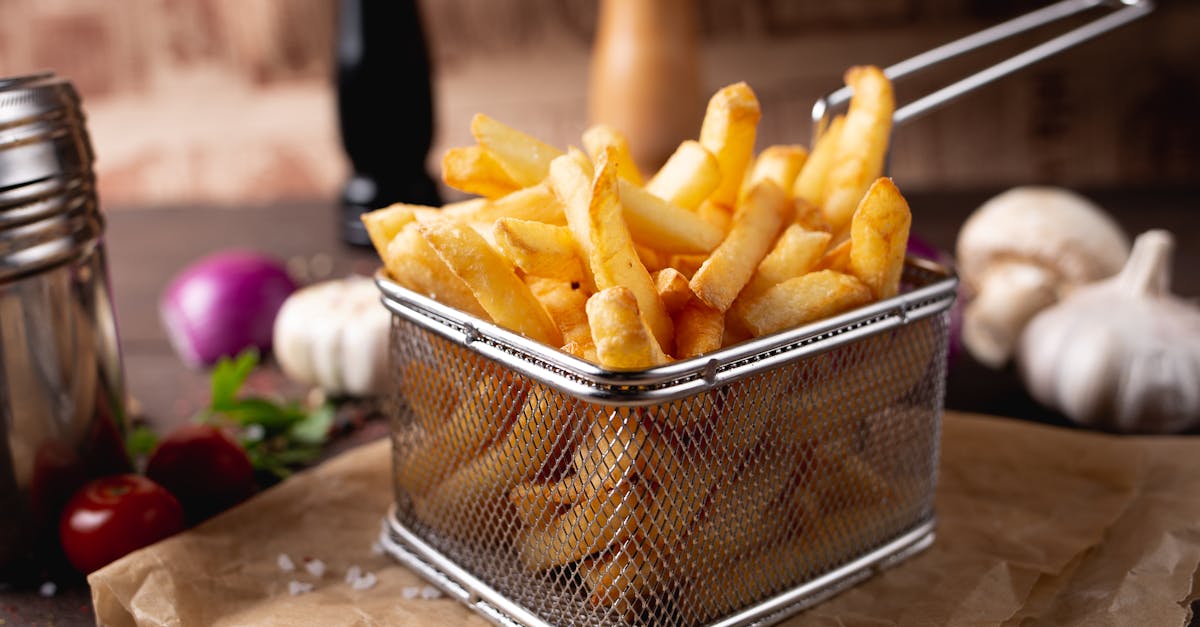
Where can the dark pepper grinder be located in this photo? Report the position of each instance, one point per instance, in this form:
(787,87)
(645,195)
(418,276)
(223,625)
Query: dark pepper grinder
(385,109)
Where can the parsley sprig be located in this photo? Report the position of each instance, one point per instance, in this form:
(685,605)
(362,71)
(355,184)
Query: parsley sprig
(278,437)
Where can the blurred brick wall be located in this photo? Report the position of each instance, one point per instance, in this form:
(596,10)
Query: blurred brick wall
(229,101)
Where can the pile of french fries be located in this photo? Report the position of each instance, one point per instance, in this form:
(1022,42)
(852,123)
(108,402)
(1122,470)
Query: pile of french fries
(577,250)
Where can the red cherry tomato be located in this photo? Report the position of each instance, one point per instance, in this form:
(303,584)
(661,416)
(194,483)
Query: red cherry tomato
(112,516)
(204,468)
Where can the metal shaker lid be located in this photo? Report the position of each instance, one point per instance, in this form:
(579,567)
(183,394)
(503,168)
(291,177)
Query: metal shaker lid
(42,132)
(48,212)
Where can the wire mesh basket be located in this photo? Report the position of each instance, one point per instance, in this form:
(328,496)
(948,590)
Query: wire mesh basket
(732,488)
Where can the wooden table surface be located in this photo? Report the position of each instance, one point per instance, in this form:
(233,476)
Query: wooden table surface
(147,247)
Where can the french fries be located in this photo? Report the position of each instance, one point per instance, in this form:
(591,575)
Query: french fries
(540,249)
(491,279)
(594,215)
(879,238)
(861,145)
(597,138)
(805,299)
(728,132)
(576,251)
(472,169)
(621,336)
(810,183)
(688,177)
(524,158)
(754,227)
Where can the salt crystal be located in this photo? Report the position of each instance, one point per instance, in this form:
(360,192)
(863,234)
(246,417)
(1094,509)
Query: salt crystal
(353,573)
(366,582)
(297,588)
(285,563)
(48,589)
(410,592)
(429,592)
(316,568)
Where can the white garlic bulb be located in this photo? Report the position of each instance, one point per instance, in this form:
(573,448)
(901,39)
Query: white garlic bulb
(1120,354)
(334,335)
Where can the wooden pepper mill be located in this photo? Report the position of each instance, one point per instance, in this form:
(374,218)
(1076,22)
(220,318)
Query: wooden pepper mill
(645,75)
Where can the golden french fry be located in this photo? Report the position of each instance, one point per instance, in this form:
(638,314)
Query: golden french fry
(472,169)
(524,158)
(728,132)
(672,288)
(492,280)
(412,263)
(688,177)
(810,183)
(535,203)
(755,225)
(589,527)
(862,146)
(687,265)
(879,237)
(836,258)
(537,503)
(780,164)
(480,417)
(809,216)
(622,577)
(622,337)
(698,329)
(742,514)
(540,249)
(596,138)
(804,299)
(462,210)
(655,222)
(383,224)
(566,303)
(796,252)
(424,388)
(652,259)
(594,216)
(537,437)
(716,215)
(610,452)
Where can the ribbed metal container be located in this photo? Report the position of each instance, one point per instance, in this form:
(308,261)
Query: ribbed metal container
(61,384)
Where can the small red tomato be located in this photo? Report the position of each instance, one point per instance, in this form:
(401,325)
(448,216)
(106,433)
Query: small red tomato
(206,469)
(112,516)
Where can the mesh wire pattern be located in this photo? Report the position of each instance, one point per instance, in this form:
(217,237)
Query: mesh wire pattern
(682,512)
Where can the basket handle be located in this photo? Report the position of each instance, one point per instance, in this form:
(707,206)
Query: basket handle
(1126,11)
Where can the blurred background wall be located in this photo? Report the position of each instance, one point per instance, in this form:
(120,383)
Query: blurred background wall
(231,101)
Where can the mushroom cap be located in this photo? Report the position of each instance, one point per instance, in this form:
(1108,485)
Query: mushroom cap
(1052,227)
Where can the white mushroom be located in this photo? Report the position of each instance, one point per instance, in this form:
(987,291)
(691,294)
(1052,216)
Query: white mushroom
(1020,252)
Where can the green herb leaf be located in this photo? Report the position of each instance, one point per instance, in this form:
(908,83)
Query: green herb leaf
(313,429)
(271,416)
(291,435)
(228,376)
(140,441)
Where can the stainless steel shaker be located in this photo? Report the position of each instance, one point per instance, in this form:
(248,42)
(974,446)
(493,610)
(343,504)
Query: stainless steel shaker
(61,385)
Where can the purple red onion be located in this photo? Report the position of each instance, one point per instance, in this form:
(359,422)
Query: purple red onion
(223,304)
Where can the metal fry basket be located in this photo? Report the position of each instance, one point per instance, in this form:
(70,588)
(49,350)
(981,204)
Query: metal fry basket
(732,488)
(735,488)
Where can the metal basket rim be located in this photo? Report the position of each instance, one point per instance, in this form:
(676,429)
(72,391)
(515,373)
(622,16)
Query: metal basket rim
(589,381)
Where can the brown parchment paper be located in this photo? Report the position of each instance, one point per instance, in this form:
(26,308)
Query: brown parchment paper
(1036,526)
